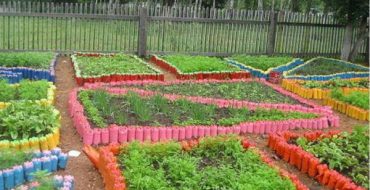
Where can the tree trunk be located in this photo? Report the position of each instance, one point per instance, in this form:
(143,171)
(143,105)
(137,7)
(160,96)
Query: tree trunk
(347,42)
(361,38)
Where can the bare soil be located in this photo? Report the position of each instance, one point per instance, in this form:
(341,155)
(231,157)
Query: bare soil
(88,178)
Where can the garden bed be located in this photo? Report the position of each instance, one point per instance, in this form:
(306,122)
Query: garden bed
(321,90)
(354,104)
(18,167)
(187,67)
(323,69)
(262,66)
(103,119)
(93,67)
(15,66)
(334,159)
(29,126)
(41,92)
(208,163)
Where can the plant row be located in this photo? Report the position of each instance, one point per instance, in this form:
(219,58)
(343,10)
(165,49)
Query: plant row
(198,67)
(15,66)
(89,114)
(44,181)
(324,69)
(334,159)
(91,68)
(18,167)
(208,163)
(41,92)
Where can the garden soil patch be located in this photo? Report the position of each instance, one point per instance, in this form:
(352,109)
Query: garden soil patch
(86,176)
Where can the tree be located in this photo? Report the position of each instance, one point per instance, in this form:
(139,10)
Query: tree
(352,13)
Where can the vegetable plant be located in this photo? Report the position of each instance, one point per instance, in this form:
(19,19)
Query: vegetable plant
(262,62)
(359,99)
(189,64)
(22,120)
(12,157)
(25,90)
(216,163)
(336,83)
(323,66)
(111,64)
(36,60)
(132,109)
(346,152)
(249,91)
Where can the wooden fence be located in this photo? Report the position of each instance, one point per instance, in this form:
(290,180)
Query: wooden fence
(68,27)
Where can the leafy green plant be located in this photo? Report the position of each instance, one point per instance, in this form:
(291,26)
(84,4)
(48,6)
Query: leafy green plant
(359,99)
(323,66)
(107,65)
(347,152)
(12,157)
(249,91)
(190,64)
(216,163)
(25,90)
(336,83)
(132,109)
(7,92)
(22,120)
(37,60)
(262,62)
(45,182)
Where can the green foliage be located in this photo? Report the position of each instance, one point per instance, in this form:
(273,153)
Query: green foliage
(22,120)
(44,180)
(358,99)
(12,157)
(347,152)
(349,11)
(336,83)
(261,62)
(132,109)
(323,66)
(106,65)
(26,90)
(217,163)
(249,91)
(190,64)
(35,60)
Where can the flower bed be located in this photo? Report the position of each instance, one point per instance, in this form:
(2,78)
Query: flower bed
(112,133)
(29,126)
(15,66)
(41,92)
(94,67)
(262,66)
(354,104)
(321,90)
(198,67)
(251,92)
(323,69)
(22,170)
(195,164)
(318,150)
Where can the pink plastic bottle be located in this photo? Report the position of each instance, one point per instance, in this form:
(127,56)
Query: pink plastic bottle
(182,133)
(131,134)
(250,127)
(188,132)
(162,134)
(221,131)
(88,137)
(113,134)
(155,134)
(105,136)
(169,132)
(201,131)
(122,135)
(97,137)
(195,131)
(213,131)
(207,131)
(175,133)
(139,135)
(147,134)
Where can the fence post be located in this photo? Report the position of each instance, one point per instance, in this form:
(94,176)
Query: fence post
(143,24)
(272,33)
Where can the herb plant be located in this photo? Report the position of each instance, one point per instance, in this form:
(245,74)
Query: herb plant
(216,163)
(336,83)
(132,109)
(347,153)
(36,60)
(11,157)
(22,120)
(190,64)
(25,90)
(261,62)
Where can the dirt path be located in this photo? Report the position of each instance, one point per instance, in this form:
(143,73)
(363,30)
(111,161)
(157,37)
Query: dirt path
(86,176)
(167,75)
